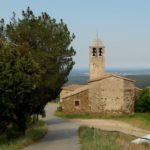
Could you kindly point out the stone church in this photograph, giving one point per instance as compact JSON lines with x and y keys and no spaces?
{"x":105,"y":93}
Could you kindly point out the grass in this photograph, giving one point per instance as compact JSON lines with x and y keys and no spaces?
{"x":34,"y":133}
{"x":141,"y":120}
{"x":75,"y":116}
{"x":96,"y":139}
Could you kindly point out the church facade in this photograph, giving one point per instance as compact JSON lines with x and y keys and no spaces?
{"x":105,"y":93}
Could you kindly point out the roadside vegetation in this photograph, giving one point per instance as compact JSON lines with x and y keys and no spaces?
{"x":96,"y":139}
{"x":33,"y":133}
{"x":142,"y":103}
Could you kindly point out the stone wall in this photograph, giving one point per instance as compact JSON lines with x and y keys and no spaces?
{"x":129,"y":97}
{"x":63,"y":93}
{"x":97,"y":63}
{"x":69,"y":107}
{"x":111,"y":96}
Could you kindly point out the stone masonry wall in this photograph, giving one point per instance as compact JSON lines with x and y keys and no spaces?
{"x":114,"y":96}
{"x":68,"y":103}
{"x":106,"y":96}
{"x":63,"y":93}
{"x":97,"y":64}
{"x":129,"y":97}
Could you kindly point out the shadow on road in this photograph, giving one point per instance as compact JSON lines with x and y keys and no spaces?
{"x":54,"y":121}
{"x":61,"y":134}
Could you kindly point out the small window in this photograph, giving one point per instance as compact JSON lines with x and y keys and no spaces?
{"x":100,"y":51}
{"x":77,"y":103}
{"x":94,"y":52}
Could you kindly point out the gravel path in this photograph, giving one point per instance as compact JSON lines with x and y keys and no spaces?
{"x":112,"y":125}
{"x":62,"y":134}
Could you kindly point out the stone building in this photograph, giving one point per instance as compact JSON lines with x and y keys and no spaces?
{"x":104,"y":93}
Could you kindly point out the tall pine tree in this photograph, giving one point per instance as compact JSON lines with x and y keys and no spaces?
{"x":49,"y":42}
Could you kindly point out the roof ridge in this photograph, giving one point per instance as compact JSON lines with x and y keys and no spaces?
{"x":78,"y":90}
{"x":122,"y":77}
{"x":110,"y":75}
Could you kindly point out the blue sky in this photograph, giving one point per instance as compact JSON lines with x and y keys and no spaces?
{"x":123,"y":26}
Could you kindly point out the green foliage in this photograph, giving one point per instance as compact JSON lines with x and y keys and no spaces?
{"x":49,"y":42}
{"x":35,"y":60}
{"x":142,"y":103}
{"x":19,"y":75}
{"x":34,"y":133}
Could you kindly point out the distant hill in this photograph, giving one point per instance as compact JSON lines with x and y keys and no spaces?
{"x":141,"y":76}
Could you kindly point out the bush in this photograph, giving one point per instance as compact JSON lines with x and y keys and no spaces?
{"x":59,"y":108}
{"x":34,"y":133}
{"x":142,"y":103}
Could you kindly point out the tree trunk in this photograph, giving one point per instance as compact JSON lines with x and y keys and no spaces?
{"x":34,"y":119}
{"x":21,"y":123}
{"x":37,"y":117}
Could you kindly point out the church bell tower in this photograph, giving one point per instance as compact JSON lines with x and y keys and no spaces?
{"x":97,"y":59}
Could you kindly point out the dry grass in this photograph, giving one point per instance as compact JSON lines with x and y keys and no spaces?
{"x":95,"y":139}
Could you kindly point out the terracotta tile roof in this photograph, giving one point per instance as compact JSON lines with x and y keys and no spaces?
{"x":78,"y":90}
{"x":108,"y":76}
{"x":72,"y":87}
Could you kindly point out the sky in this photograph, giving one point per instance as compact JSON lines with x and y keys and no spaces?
{"x":122,"y":25}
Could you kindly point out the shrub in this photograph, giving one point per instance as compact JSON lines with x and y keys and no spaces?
{"x":142,"y":103}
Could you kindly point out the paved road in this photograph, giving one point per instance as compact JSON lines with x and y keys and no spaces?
{"x":62,"y":134}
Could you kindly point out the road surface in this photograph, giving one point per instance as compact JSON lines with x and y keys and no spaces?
{"x":62,"y":134}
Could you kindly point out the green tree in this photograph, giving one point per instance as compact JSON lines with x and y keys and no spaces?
{"x":142,"y":104}
{"x":49,"y":42}
{"x":4,"y":106}
{"x":35,"y":60}
{"x":19,"y":76}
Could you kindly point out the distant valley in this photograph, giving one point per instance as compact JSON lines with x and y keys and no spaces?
{"x":141,"y":76}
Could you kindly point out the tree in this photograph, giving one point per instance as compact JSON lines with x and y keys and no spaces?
{"x":4,"y":113}
{"x":49,"y":43}
{"x":19,"y":76}
{"x":142,"y":104}
{"x":35,"y":60}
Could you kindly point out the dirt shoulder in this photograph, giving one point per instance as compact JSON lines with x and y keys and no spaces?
{"x":112,"y":125}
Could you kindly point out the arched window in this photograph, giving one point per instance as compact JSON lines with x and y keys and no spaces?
{"x":100,"y":52}
{"x":94,"y":52}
